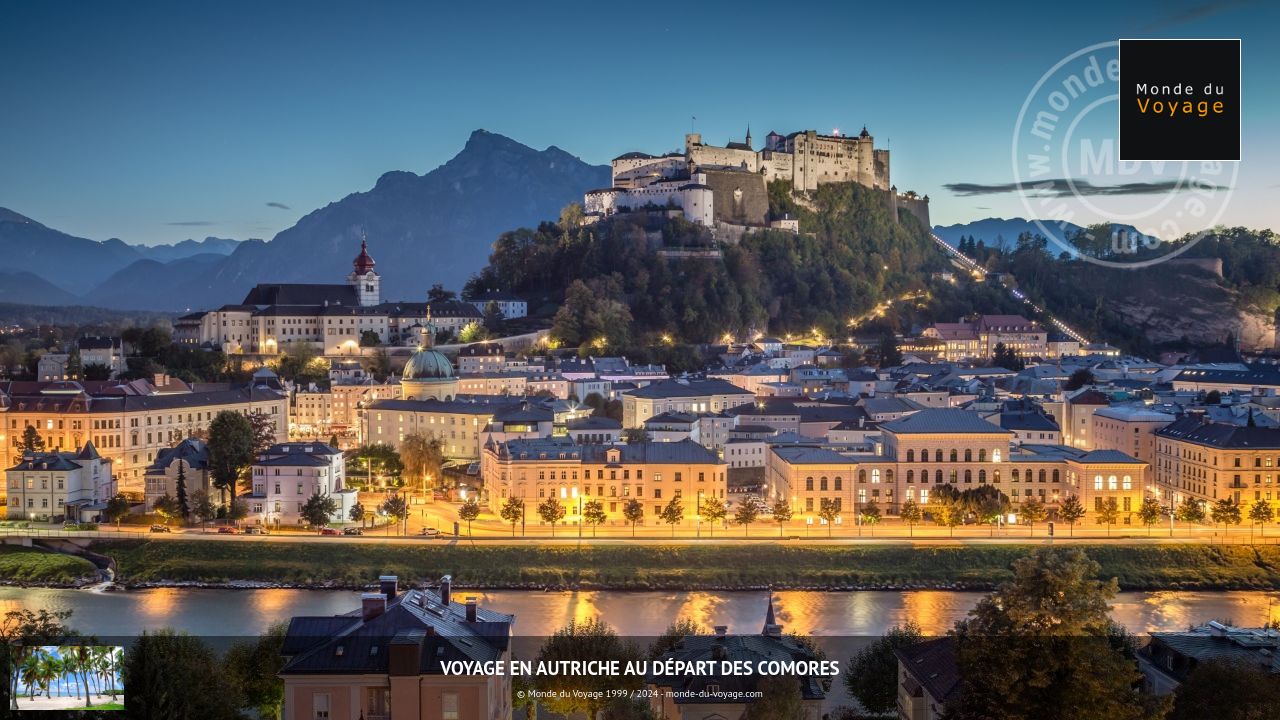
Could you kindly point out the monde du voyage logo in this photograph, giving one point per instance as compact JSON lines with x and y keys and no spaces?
{"x":1180,"y":100}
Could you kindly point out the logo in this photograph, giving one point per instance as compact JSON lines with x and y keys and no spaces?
{"x":1088,"y":202}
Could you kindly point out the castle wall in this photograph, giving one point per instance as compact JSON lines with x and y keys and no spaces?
{"x":639,"y":172}
{"x":741,"y":198}
{"x":917,"y":206}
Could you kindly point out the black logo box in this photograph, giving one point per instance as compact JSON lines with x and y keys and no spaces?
{"x":1190,"y":65}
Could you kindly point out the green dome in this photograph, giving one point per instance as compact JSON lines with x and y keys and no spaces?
{"x":427,"y":364}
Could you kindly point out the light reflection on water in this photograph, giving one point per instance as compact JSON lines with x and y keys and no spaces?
{"x":247,"y":612}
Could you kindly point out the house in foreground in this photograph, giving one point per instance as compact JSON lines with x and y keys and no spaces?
{"x":385,"y":660}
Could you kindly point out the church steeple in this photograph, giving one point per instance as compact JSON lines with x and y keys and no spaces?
{"x":749,"y":136}
{"x":363,"y":278}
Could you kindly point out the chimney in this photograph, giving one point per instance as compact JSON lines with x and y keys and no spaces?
{"x":372,"y":605}
{"x":389,"y":585}
{"x":471,"y":609}
{"x":446,"y":590}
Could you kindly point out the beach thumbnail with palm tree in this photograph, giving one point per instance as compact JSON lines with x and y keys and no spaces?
{"x":66,"y":677}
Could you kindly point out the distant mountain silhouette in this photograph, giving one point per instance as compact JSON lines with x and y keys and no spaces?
{"x":422,"y":229}
{"x":75,"y":264}
{"x":29,"y":288}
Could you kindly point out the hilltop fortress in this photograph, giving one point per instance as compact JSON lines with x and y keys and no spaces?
{"x":725,"y":188}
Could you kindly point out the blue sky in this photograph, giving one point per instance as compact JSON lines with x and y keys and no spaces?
{"x":154,"y":122}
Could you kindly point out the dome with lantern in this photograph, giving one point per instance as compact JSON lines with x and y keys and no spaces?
{"x":428,"y":374}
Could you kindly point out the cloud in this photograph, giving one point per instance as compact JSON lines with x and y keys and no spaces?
{"x":1196,"y":12}
{"x":280,"y":205}
{"x":192,"y":223}
{"x":1060,"y":187}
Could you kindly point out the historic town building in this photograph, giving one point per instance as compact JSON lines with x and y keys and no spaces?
{"x":1209,"y":461}
{"x":385,"y":659}
{"x":977,"y":338}
{"x":47,"y":485}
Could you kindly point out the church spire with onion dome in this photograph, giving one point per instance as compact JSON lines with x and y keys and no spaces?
{"x":366,"y":282}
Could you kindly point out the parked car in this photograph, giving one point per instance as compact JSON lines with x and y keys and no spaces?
{"x":257,"y":530}
{"x":352,"y":531}
{"x":429,"y":532}
{"x":160,"y":529}
{"x":226,"y":530}
{"x":329,"y":531}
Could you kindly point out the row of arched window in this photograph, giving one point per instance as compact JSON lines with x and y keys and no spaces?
{"x":954,"y":455}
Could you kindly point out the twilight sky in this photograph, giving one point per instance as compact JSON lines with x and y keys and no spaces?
{"x":154,"y":122}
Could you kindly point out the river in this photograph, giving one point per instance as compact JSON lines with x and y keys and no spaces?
{"x":229,"y":613}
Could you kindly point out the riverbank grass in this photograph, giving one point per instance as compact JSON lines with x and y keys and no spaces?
{"x":27,"y":565}
{"x":686,"y":567}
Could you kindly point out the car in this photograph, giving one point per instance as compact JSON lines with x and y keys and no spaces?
{"x":429,"y":532}
{"x":352,"y":531}
{"x":329,"y":531}
{"x":226,"y":530}
{"x":160,"y":529}
{"x":256,"y":530}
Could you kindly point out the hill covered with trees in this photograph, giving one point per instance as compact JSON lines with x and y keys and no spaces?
{"x":619,"y":282}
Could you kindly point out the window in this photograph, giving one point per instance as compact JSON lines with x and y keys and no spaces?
{"x":449,"y":706}
{"x":320,"y":706}
{"x":1097,"y":482}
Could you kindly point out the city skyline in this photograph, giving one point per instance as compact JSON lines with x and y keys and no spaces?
{"x":180,"y":124}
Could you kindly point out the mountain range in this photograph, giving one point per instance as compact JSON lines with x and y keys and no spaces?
{"x":991,"y":231}
{"x":422,"y":229}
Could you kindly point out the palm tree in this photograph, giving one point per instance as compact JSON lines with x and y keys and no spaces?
{"x":70,"y":665}
{"x":83,"y":659}
{"x":29,"y":672}
{"x":50,"y":670}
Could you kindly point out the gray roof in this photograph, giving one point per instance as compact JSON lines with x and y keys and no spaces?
{"x":454,"y":407}
{"x":192,"y":450}
{"x":301,"y":294}
{"x":348,"y":644}
{"x":593,"y":422}
{"x":807,"y":455}
{"x":693,"y":388}
{"x":942,"y":420}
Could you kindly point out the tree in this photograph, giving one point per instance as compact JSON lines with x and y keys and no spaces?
{"x":1227,"y":512}
{"x":171,"y":675}
{"x":237,"y":510}
{"x":437,"y":294}
{"x":1223,"y":690}
{"x":231,"y":448}
{"x":714,"y":512}
{"x":22,"y":631}
{"x":1071,"y":511}
{"x":469,"y":511}
{"x":1042,"y":645}
{"x":264,"y":431}
{"x":1213,"y":397}
{"x":633,"y":512}
{"x":202,"y":506}
{"x":184,"y":508}
{"x":829,"y":510}
{"x":251,"y":667}
{"x":380,"y":364}
{"x":1006,"y":357}
{"x":1032,"y":511}
{"x":871,"y":515}
{"x":369,"y":338}
{"x":513,"y":512}
{"x":593,"y":514}
{"x":318,"y":510}
{"x":635,"y":436}
{"x":673,"y":513}
{"x":117,"y":507}
{"x":396,"y":508}
{"x":1261,"y":513}
{"x":781,"y":512}
{"x":551,"y":511}
{"x":31,"y":441}
{"x":1150,"y":512}
{"x":591,"y":640}
{"x":1190,"y":511}
{"x":1079,"y":379}
{"x":1108,"y":513}
{"x":97,"y":372}
{"x":422,"y":456}
{"x":356,"y":513}
{"x":75,"y":367}
{"x":890,"y":355}
{"x":494,"y":322}
{"x":872,"y":674}
{"x":910,"y":514}
{"x":747,"y":512}
{"x":166,"y":507}
{"x":780,"y":699}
